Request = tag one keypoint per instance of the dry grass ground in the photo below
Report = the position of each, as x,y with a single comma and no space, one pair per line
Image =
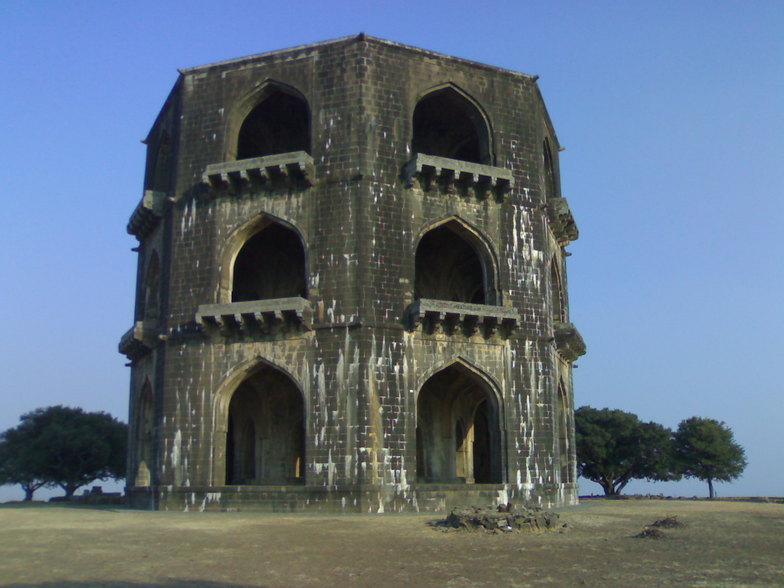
723,544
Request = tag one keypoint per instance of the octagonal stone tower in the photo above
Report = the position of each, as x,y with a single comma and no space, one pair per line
351,288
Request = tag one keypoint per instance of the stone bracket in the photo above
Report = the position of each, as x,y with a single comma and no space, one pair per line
255,316
290,169
137,341
147,214
561,220
431,172
450,317
568,341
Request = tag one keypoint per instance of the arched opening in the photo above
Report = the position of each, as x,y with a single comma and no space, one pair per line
556,294
563,422
549,171
451,263
448,124
152,288
278,124
271,264
160,175
265,433
458,433
144,436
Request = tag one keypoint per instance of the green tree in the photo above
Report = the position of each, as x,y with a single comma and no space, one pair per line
16,462
615,447
62,446
705,449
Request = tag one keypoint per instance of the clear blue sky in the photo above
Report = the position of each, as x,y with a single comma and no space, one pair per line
672,114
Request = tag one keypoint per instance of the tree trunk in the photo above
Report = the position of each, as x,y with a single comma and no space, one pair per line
710,488
28,490
609,489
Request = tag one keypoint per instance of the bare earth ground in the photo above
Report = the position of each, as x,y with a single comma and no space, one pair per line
723,544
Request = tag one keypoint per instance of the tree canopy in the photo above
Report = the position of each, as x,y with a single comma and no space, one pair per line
62,446
615,447
705,449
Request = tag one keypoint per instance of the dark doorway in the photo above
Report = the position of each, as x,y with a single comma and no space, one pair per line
265,438
458,434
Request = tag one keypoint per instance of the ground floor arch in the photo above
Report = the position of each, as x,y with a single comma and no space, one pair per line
265,430
458,434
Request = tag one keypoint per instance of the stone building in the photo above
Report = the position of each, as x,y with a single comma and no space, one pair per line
351,287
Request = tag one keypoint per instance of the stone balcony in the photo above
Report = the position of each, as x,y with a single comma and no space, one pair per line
568,342
452,176
561,220
137,341
147,214
450,317
255,316
268,172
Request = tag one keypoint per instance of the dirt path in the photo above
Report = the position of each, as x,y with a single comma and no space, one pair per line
723,544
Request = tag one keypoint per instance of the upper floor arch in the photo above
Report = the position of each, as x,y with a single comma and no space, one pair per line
447,122
263,259
274,118
455,262
550,185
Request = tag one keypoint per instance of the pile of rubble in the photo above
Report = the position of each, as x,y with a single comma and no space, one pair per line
505,518
654,530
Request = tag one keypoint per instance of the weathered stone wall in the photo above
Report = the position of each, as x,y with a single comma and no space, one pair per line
356,355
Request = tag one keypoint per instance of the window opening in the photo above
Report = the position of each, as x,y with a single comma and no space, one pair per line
556,293
152,286
549,173
447,124
271,264
278,124
448,267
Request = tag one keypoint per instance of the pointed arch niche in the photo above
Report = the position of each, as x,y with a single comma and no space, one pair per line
263,280
452,142
447,123
279,122
458,435
268,142
456,283
452,262
263,433
564,424
144,436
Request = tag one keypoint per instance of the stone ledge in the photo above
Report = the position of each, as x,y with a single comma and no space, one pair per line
451,316
454,176
266,172
147,214
137,341
255,316
561,220
568,341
